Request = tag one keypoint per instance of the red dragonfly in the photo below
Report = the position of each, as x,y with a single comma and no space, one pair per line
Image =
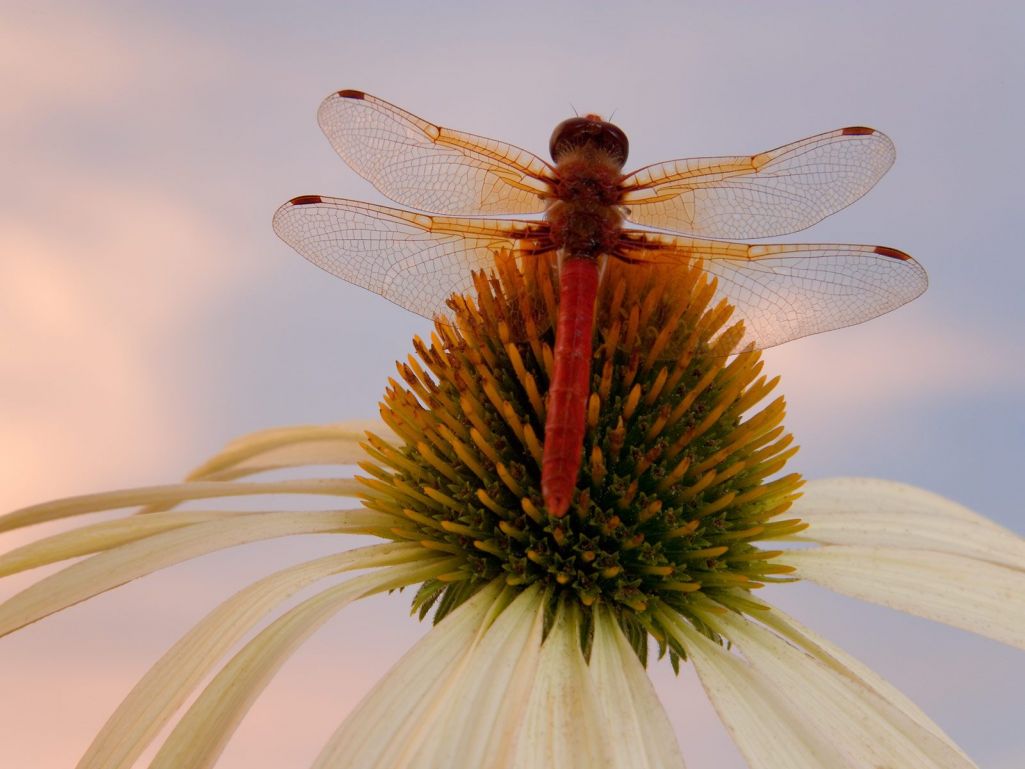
781,292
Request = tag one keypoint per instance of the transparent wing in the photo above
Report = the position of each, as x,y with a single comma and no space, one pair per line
759,196
414,260
784,292
419,164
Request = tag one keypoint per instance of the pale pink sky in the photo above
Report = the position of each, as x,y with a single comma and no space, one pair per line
148,314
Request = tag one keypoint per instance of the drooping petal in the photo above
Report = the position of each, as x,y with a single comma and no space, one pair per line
506,701
862,725
639,730
170,495
158,695
112,568
758,716
393,716
93,538
868,512
289,447
205,729
968,593
563,726
831,655
480,718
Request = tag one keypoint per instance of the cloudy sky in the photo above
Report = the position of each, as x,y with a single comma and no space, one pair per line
148,314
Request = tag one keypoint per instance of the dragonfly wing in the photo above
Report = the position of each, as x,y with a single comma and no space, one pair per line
414,260
419,164
759,196
784,292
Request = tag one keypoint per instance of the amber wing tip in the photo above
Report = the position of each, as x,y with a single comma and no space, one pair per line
892,253
859,130
306,200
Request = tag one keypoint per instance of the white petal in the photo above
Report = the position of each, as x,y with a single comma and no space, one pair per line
862,725
757,715
842,662
391,715
638,728
563,726
93,538
109,569
290,447
506,701
199,738
876,513
979,596
481,716
172,494
159,694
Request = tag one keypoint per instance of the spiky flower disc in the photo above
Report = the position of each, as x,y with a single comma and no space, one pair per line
676,481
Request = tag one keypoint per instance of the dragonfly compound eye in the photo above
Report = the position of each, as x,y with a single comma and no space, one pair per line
590,130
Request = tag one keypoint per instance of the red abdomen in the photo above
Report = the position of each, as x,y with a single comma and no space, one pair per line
565,422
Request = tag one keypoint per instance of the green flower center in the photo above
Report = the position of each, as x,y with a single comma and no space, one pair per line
680,472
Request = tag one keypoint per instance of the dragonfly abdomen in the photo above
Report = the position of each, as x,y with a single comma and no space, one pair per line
565,421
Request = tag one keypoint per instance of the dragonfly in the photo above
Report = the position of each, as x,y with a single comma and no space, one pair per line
582,202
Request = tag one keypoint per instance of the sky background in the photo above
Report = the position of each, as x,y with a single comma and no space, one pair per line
148,314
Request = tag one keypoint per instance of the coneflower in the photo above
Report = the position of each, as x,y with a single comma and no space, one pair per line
544,625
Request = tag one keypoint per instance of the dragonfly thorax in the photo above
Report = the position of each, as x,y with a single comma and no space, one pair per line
585,217
583,228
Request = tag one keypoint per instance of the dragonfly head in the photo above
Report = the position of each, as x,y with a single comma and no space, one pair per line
589,130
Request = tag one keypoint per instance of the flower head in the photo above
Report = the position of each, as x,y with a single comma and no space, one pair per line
681,476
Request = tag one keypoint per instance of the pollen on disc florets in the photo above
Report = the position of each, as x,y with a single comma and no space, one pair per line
679,477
